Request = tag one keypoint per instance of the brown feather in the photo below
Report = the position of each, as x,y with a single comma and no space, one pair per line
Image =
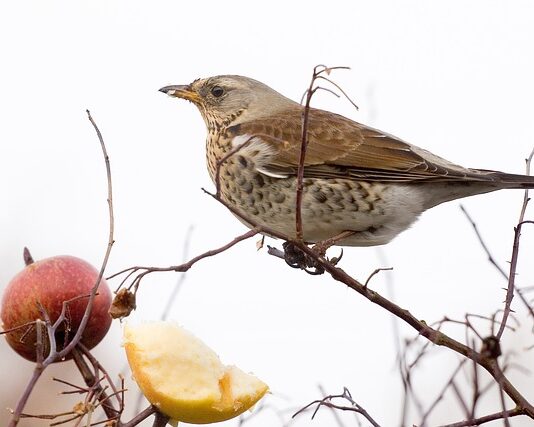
339,147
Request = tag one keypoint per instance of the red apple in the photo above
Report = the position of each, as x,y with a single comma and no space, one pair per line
48,283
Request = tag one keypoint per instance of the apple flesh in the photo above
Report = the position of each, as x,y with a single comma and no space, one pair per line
184,378
48,283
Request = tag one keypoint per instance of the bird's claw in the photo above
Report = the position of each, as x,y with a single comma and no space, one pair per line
296,258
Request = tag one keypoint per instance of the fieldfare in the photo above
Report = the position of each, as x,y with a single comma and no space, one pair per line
356,179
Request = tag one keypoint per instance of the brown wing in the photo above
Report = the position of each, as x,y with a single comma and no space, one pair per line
339,147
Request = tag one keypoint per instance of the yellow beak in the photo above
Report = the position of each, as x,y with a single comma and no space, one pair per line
181,91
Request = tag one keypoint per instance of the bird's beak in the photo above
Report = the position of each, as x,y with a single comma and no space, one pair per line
181,91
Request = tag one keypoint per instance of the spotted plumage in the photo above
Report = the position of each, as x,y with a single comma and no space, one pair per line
356,178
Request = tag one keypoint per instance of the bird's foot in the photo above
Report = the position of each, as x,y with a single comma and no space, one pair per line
297,258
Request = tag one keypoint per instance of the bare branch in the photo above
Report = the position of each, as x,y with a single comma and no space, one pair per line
487,418
336,416
441,395
182,267
53,353
512,274
327,401
341,90
317,74
160,420
172,298
143,415
492,260
374,273
434,336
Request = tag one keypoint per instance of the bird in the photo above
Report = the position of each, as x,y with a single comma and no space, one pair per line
360,184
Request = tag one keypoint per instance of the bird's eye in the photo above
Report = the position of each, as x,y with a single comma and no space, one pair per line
217,91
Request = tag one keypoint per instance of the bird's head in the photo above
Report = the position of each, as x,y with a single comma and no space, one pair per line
223,100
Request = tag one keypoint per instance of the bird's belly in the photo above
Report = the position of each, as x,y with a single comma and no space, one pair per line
376,212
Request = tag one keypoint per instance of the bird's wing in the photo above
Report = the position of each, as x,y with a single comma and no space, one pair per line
339,147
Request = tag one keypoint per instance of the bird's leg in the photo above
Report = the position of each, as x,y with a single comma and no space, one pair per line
321,247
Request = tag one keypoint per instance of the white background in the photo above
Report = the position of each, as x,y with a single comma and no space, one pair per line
454,77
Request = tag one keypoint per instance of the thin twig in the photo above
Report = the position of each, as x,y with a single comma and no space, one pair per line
53,354
172,297
515,255
460,398
97,366
336,416
441,395
327,401
374,273
492,260
185,266
160,420
512,275
317,74
302,157
333,83
93,382
487,418
111,241
141,416
476,391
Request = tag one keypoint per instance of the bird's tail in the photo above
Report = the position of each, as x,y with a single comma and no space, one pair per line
479,182
510,180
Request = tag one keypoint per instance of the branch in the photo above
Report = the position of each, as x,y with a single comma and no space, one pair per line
336,416
487,418
54,354
515,252
317,74
171,299
160,420
93,382
512,274
492,260
143,415
327,401
182,267
441,395
111,241
433,335
487,360
515,255
303,146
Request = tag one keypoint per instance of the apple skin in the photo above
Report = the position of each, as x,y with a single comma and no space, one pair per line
50,282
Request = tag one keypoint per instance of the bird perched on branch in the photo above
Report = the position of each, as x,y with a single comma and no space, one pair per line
361,184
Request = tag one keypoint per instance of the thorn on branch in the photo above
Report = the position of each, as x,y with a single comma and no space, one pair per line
374,273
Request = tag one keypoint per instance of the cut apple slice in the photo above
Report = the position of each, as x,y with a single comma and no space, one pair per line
184,378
